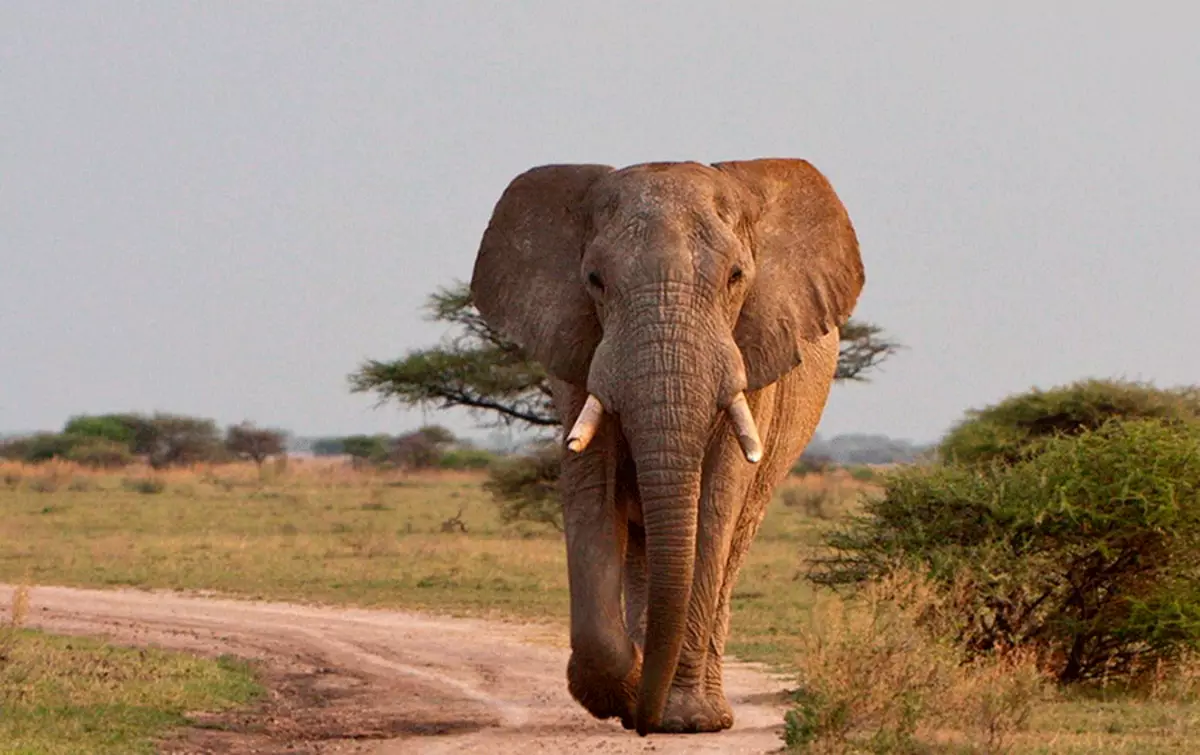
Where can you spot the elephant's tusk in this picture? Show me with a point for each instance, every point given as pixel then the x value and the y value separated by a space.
pixel 586 424
pixel 746 430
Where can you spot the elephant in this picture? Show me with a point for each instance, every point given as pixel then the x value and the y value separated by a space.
pixel 688 316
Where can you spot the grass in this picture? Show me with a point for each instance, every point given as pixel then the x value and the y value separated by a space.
pixel 325 533
pixel 72 695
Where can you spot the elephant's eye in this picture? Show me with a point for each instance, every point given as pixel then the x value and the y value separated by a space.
pixel 594 281
pixel 735 276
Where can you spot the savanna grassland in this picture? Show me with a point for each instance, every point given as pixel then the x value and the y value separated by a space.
pixel 325 532
pixel 328 533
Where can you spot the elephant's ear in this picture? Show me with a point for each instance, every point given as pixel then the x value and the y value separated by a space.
pixel 809 272
pixel 526 281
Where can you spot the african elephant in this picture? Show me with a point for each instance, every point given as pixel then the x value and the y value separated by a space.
pixel 688 316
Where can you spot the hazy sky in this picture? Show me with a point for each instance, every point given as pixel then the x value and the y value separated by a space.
pixel 221 208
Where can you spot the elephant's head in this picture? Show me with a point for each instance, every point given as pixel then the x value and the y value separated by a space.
pixel 667 291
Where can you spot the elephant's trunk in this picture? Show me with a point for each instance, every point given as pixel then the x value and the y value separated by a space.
pixel 666 435
pixel 666 371
pixel 666 375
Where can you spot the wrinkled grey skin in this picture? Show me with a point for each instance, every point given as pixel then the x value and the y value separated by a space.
pixel 665 290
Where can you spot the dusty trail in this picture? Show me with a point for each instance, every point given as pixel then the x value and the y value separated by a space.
pixel 359 681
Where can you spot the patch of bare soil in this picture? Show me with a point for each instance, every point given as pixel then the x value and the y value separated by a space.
pixel 358 681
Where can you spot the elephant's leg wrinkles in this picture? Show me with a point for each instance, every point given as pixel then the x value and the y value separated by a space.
pixel 792 415
pixel 605 667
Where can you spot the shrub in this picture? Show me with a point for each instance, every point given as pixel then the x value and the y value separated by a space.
pixel 103 454
pixel 144 485
pixel 180 440
pixel 39 447
pixel 422 448
pixel 466 458
pixel 108 427
pixel 1010 430
pixel 1088 550
pixel 526 487
pixel 257 444
pixel 134 430
pixel 811 463
pixel 877 674
pixel 366 448
pixel 862 473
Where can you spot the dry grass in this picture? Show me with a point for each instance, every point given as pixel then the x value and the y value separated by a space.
pixel 876 677
pixel 10 627
pixel 322 531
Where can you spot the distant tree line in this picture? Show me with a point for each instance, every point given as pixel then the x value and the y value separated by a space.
pixel 160 439
pixel 427 447
pixel 167 440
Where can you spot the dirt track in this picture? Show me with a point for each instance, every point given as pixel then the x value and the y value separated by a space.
pixel 357 681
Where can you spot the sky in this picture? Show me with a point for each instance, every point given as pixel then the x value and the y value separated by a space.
pixel 222 209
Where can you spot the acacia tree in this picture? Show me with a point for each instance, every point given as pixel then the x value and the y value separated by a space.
pixel 480 370
pixel 255 443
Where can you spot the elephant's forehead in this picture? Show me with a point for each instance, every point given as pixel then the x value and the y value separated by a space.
pixel 656 188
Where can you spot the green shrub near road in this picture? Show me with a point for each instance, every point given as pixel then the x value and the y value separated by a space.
pixel 1088 550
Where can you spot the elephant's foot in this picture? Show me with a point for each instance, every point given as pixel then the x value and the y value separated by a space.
pixel 691 711
pixel 602 693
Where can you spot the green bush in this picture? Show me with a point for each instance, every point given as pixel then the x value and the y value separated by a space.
pixel 134 430
pixel 103 454
pixel 39 447
pixel 526 487
pixel 364 449
pixel 104 427
pixel 1088 550
pixel 466 458
pixel 1010 430
pixel 862 473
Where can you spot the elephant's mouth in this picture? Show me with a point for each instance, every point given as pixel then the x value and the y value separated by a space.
pixel 744 427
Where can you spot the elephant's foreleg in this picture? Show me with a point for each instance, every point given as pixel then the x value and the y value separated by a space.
pixel 751 517
pixel 635 585
pixel 605 667
pixel 791 415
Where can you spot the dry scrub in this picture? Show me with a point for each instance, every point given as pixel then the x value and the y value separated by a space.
pixel 878 675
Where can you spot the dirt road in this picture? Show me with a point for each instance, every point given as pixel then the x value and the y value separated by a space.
pixel 358 681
